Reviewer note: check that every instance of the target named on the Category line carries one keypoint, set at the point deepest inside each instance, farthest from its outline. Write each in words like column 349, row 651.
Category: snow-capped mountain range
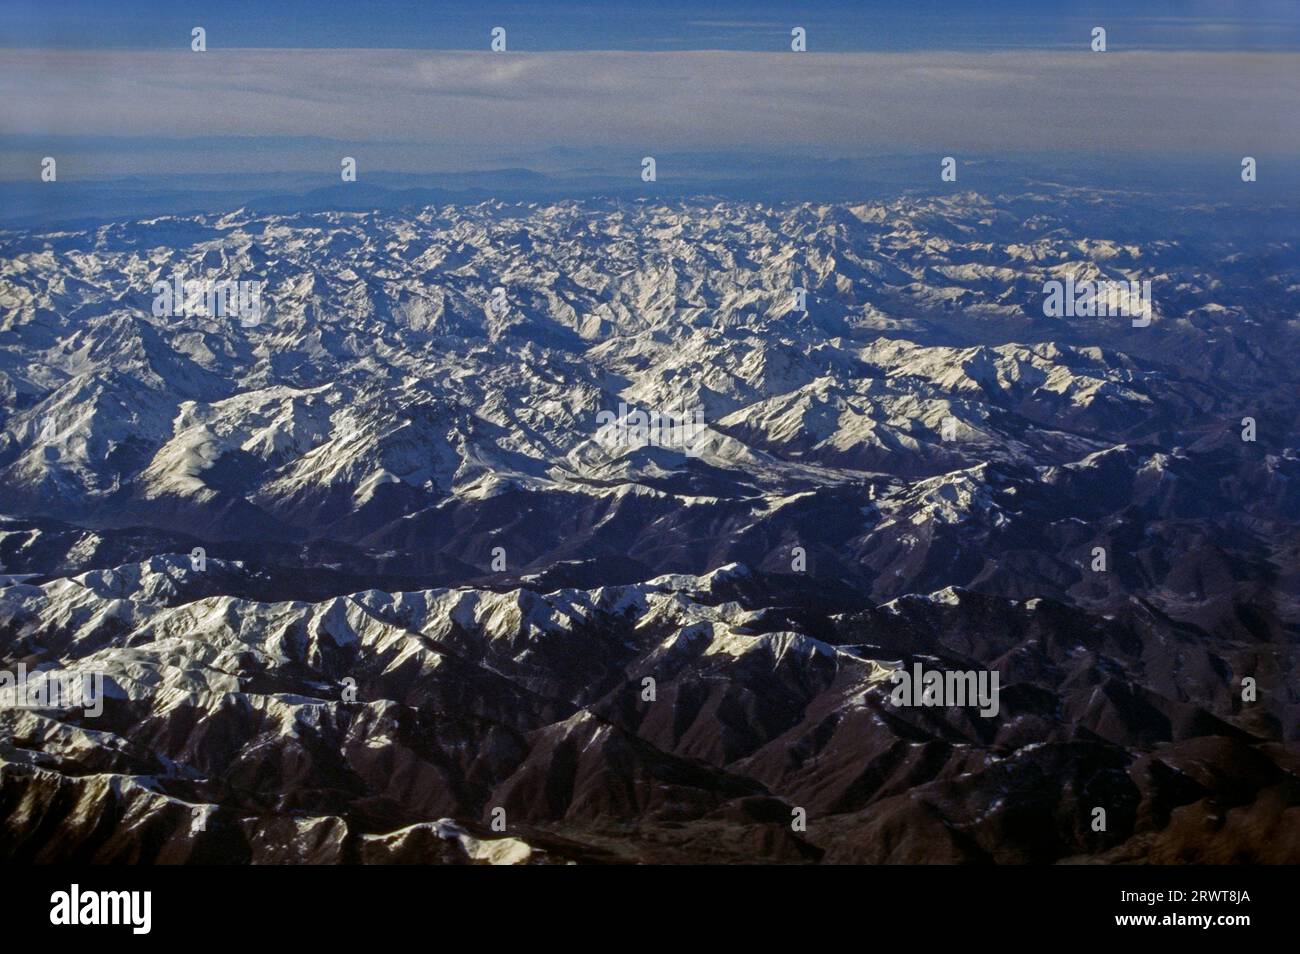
column 398, row 477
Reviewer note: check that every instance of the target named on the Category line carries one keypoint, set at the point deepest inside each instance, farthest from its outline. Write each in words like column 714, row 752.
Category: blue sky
column 833, row 25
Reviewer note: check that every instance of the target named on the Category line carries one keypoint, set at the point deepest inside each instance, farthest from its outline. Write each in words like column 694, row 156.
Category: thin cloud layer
column 474, row 108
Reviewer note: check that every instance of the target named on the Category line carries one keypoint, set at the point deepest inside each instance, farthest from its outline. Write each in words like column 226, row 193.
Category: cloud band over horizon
column 412, row 110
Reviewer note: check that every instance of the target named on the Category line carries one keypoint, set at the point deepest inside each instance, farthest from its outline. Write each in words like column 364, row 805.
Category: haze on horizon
column 292, row 92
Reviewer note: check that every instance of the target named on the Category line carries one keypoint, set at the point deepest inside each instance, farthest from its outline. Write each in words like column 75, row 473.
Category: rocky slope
column 229, row 732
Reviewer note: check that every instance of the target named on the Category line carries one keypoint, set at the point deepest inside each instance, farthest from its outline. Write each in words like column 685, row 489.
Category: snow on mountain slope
column 404, row 722
column 414, row 546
